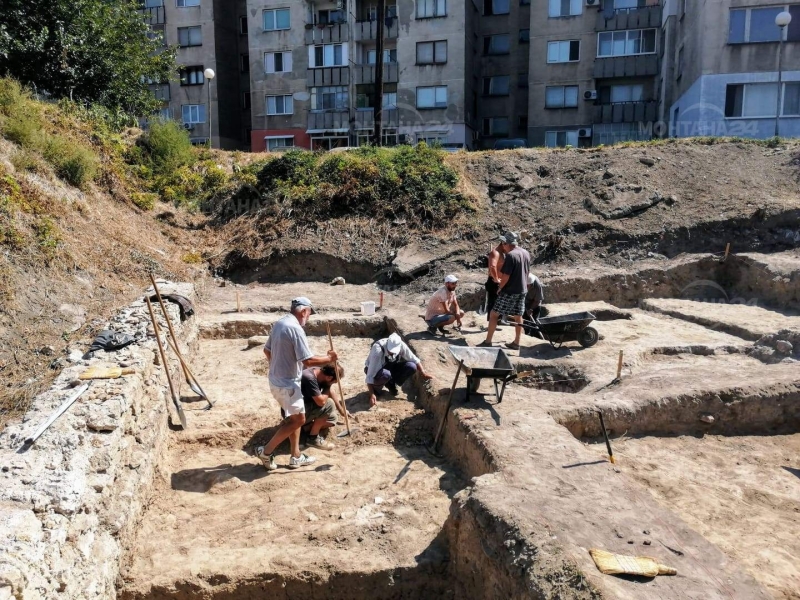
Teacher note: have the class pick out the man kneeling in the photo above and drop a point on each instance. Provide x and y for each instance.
(321, 403)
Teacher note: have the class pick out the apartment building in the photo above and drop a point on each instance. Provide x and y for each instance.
(725, 76)
(207, 35)
(594, 71)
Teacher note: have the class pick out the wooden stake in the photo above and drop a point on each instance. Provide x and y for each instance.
(339, 381)
(238, 304)
(619, 365)
(727, 250)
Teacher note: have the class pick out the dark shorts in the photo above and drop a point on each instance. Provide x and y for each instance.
(512, 305)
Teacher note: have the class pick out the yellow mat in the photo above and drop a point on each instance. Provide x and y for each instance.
(619, 564)
(106, 372)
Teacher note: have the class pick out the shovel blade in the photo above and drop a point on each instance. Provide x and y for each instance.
(345, 433)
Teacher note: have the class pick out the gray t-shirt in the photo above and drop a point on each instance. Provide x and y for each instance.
(516, 265)
(288, 346)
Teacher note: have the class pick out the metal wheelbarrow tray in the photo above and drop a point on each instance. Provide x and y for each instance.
(565, 328)
(485, 363)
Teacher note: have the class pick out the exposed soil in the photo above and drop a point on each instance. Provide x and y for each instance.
(741, 493)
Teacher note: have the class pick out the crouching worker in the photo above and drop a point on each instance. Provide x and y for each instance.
(390, 363)
(443, 308)
(321, 403)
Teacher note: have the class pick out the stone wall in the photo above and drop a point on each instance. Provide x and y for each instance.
(69, 503)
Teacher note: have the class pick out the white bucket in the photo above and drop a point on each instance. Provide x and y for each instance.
(367, 308)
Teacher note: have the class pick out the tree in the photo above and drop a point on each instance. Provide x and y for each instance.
(90, 50)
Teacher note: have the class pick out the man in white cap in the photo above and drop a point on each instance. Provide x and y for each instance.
(390, 363)
(443, 308)
(288, 354)
(513, 289)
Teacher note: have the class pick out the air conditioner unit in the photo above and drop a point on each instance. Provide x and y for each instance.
(590, 95)
(586, 132)
(592, 2)
(188, 126)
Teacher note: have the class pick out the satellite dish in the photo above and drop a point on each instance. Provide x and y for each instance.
(301, 96)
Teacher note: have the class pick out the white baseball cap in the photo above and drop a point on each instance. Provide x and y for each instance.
(393, 343)
(451, 279)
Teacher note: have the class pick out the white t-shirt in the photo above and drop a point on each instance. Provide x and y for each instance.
(435, 308)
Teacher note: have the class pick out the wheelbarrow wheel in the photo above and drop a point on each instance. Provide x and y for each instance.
(588, 337)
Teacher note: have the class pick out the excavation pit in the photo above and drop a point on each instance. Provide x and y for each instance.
(366, 520)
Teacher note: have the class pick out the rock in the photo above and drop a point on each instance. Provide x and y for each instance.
(647, 542)
(312, 517)
(75, 383)
(75, 356)
(47, 351)
(784, 347)
(338, 281)
(378, 500)
(257, 340)
(707, 419)
(75, 315)
(647, 161)
(101, 423)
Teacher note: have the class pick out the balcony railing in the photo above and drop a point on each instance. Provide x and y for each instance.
(642, 65)
(626, 112)
(328, 76)
(327, 34)
(154, 15)
(366, 73)
(368, 30)
(329, 120)
(630, 18)
(365, 118)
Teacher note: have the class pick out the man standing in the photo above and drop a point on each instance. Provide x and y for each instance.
(390, 363)
(495, 259)
(320, 403)
(513, 288)
(287, 352)
(443, 308)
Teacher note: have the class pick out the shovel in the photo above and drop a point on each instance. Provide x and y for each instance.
(482, 308)
(341, 394)
(175, 400)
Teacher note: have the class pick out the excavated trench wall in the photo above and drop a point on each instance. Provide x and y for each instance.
(69, 504)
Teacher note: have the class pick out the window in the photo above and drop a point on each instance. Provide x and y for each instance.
(244, 63)
(275, 143)
(190, 36)
(389, 56)
(280, 105)
(153, 3)
(165, 114)
(560, 139)
(427, 9)
(245, 100)
(750, 25)
(522, 81)
(561, 96)
(432, 97)
(524, 2)
(626, 43)
(761, 100)
(495, 126)
(330, 17)
(161, 91)
(365, 96)
(566, 51)
(621, 93)
(192, 76)
(495, 7)
(193, 113)
(496, 44)
(522, 124)
(524, 36)
(185, 3)
(278, 62)
(243, 25)
(276, 19)
(429, 53)
(328, 55)
(565, 8)
(334, 98)
(496, 86)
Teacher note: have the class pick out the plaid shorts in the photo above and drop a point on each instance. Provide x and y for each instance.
(510, 304)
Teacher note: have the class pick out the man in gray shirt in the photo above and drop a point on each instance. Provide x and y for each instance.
(288, 354)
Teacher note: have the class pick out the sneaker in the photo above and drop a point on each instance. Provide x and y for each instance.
(512, 346)
(485, 344)
(320, 442)
(267, 460)
(301, 461)
(391, 387)
(443, 331)
(432, 330)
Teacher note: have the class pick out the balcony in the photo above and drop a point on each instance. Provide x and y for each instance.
(641, 17)
(328, 76)
(327, 34)
(626, 112)
(368, 30)
(643, 65)
(329, 121)
(154, 15)
(366, 73)
(365, 118)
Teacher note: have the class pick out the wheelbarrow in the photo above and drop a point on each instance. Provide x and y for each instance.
(564, 328)
(485, 363)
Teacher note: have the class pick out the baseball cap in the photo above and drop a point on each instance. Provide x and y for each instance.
(531, 278)
(451, 279)
(393, 343)
(303, 301)
(509, 237)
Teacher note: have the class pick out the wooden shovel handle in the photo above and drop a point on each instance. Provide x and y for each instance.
(338, 381)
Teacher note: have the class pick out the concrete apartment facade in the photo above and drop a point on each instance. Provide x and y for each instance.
(725, 78)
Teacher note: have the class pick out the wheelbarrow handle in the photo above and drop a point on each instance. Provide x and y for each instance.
(521, 375)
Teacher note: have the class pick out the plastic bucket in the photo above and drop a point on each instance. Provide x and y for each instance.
(368, 308)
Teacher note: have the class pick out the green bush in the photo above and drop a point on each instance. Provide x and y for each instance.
(167, 147)
(144, 200)
(73, 163)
